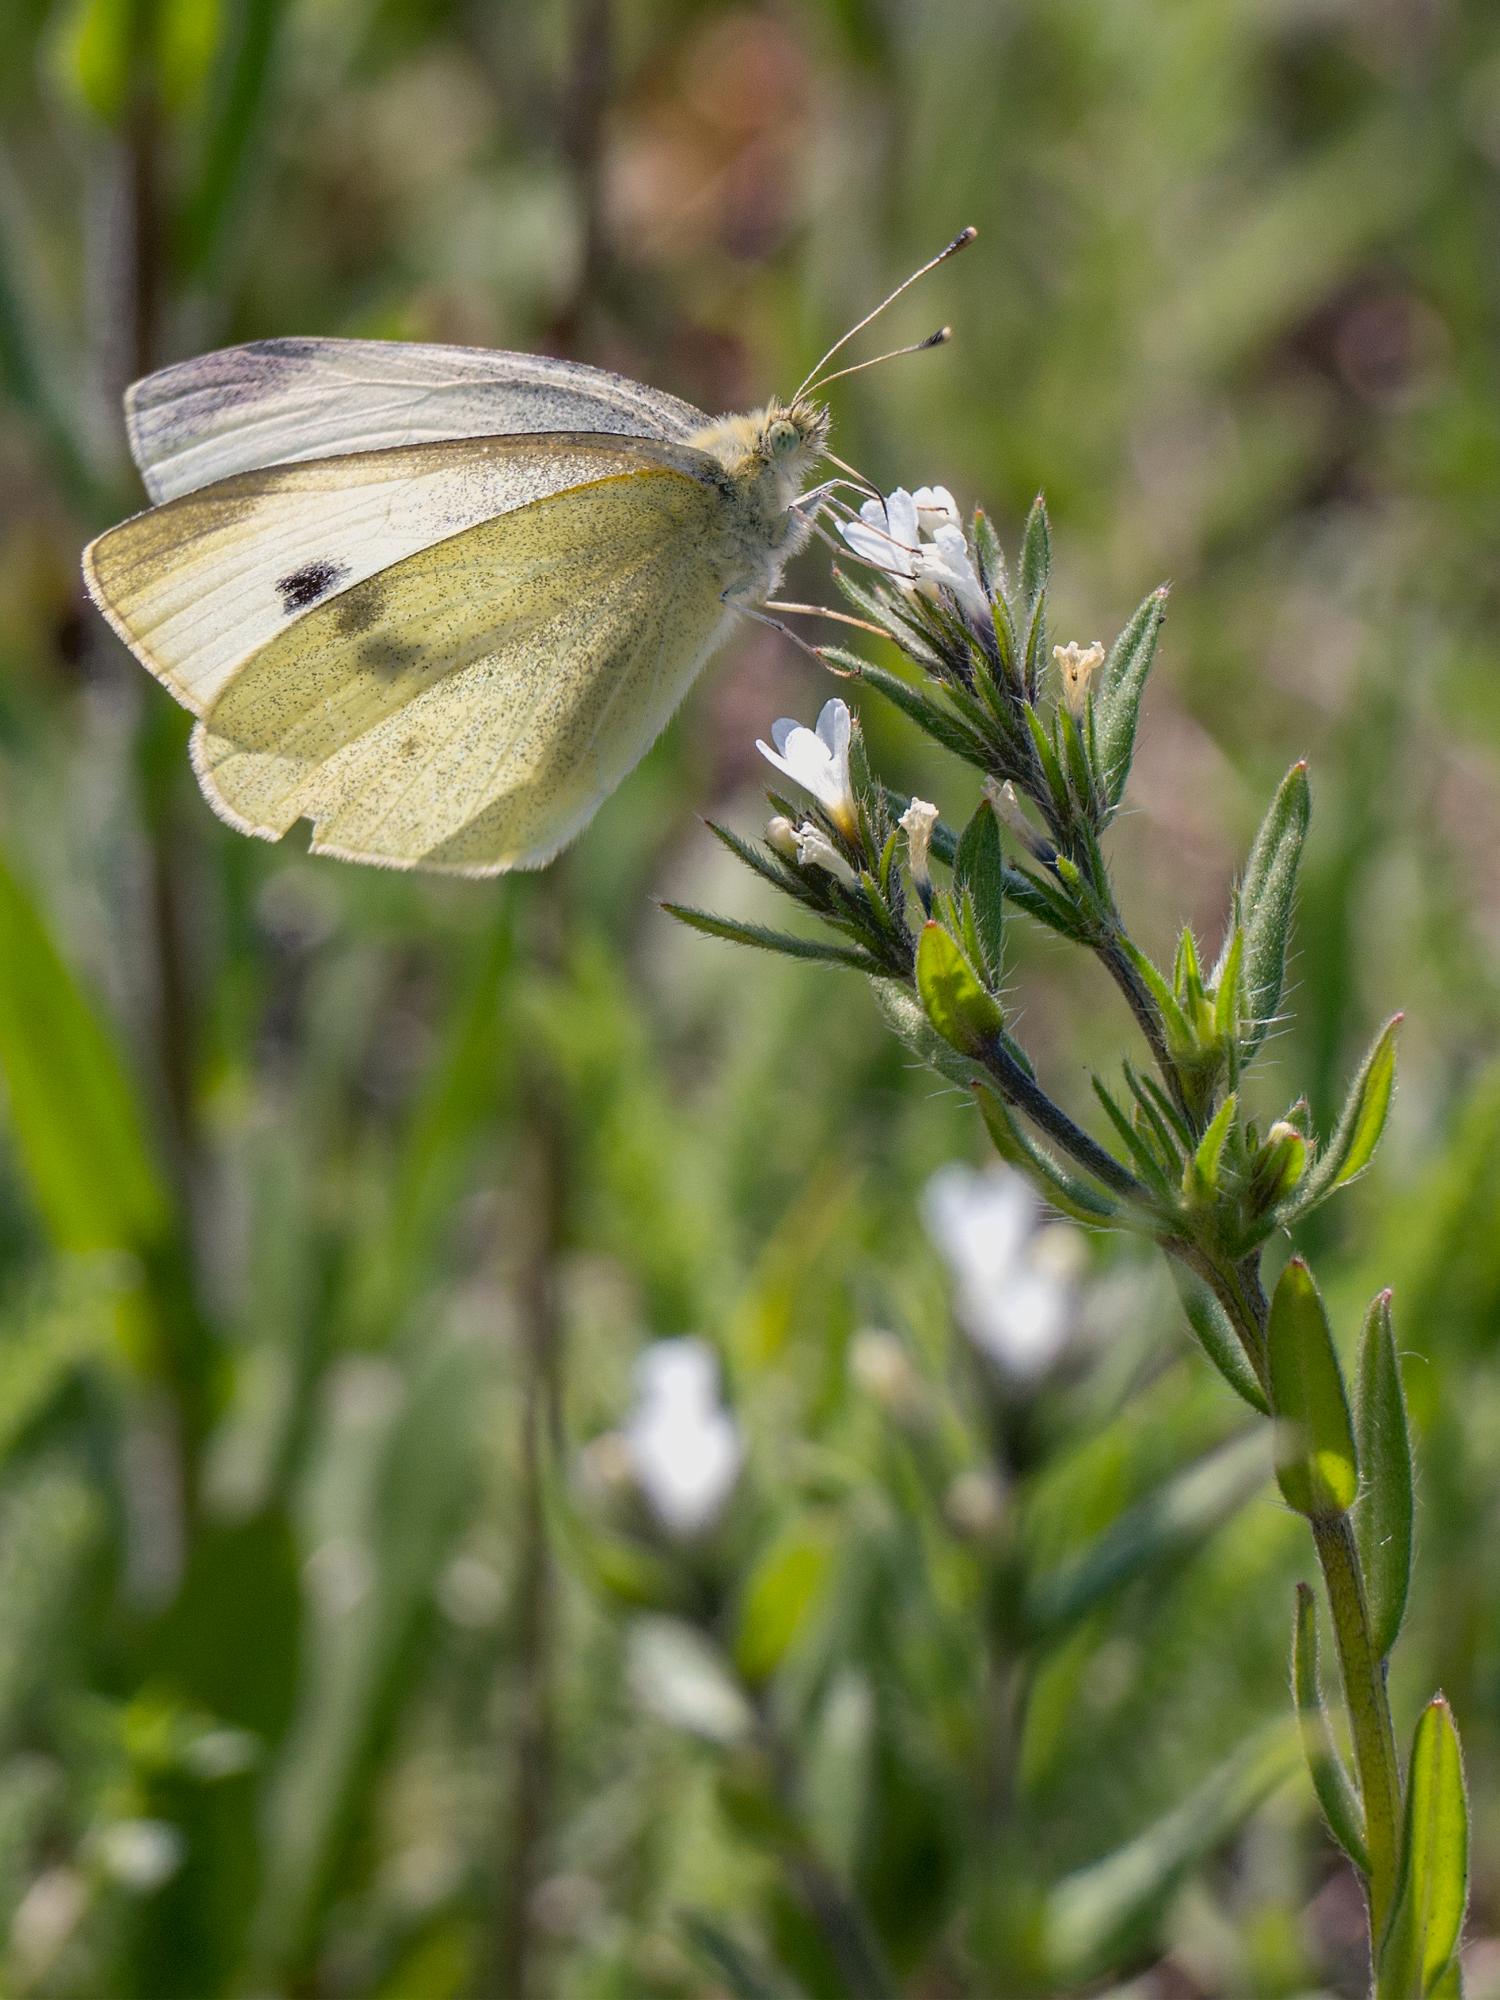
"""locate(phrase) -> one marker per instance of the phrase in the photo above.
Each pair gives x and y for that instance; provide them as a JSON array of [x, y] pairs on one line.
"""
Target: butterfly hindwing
[[469, 707], [277, 401]]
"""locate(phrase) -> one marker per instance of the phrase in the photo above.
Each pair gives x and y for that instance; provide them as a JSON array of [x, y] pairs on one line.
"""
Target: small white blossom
[[945, 561], [816, 850], [818, 760], [917, 823], [1077, 665], [880, 1365], [140, 1854], [781, 837], [685, 1449], [887, 533], [936, 508], [1014, 1276]]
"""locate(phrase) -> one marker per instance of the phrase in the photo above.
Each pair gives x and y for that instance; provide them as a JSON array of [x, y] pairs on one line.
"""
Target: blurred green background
[[337, 1656]]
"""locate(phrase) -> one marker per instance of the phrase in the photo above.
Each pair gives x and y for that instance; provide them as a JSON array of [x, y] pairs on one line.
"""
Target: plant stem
[[1028, 1096], [1369, 1712]]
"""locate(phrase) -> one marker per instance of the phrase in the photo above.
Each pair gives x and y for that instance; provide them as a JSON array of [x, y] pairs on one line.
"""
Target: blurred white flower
[[917, 823], [1015, 1277], [880, 1365], [685, 1449], [818, 760], [816, 850], [140, 1854]]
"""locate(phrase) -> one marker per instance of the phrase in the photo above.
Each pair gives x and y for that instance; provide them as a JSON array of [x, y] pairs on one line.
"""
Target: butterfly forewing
[[471, 706], [197, 586], [278, 401]]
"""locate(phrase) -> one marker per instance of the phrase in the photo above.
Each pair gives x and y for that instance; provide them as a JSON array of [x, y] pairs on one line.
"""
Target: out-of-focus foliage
[[335, 1656]]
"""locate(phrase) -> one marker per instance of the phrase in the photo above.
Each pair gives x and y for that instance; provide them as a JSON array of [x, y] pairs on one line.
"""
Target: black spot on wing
[[306, 585], [387, 656], [359, 608]]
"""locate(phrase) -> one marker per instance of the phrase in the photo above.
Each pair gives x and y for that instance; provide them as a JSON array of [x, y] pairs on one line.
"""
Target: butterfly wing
[[469, 707], [197, 586], [277, 401]]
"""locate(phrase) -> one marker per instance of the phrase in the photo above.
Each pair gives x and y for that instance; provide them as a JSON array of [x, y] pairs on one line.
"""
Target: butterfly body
[[437, 600]]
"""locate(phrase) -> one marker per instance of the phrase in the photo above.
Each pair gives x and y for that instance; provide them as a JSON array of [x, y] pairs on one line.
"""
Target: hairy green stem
[[1369, 1712], [1027, 1095]]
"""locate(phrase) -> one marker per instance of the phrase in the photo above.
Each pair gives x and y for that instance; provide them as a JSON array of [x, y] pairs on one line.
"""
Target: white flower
[[919, 541], [816, 850], [917, 823], [140, 1854], [936, 508], [818, 760], [1014, 1279], [781, 837], [887, 533], [1077, 665], [946, 561], [685, 1449]]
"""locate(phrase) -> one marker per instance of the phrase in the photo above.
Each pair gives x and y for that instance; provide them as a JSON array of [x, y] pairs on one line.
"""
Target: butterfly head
[[770, 451]]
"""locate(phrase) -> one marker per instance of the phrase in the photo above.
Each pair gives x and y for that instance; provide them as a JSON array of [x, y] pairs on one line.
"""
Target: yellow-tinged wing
[[199, 585], [274, 401], [469, 707]]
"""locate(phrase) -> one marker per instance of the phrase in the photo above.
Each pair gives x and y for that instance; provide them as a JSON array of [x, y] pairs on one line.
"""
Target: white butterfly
[[438, 600]]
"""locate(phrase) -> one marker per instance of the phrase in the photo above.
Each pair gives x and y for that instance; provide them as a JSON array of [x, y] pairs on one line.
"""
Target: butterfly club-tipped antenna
[[815, 379]]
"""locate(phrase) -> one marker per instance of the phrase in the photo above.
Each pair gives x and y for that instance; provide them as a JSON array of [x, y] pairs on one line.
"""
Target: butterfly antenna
[[960, 242], [939, 339]]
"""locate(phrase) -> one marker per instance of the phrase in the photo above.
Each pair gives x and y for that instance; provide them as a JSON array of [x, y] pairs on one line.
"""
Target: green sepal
[[1148, 1163], [1075, 762], [1218, 1339], [1263, 907], [1200, 1177], [988, 553], [959, 1006], [768, 940], [1316, 1466], [1036, 552], [1383, 1518], [1065, 1190], [1331, 1782], [1228, 990], [979, 869], [1047, 763], [1117, 691], [1432, 1887], [1357, 1134], [933, 718]]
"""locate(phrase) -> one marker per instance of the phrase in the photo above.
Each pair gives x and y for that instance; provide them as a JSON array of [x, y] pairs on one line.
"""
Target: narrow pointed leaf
[[1065, 1190], [1331, 1782], [1357, 1134], [979, 867], [1200, 1178], [1217, 1338], [768, 940], [1316, 1467], [1118, 687], [1036, 552], [1265, 902], [1433, 1886], [1383, 1518]]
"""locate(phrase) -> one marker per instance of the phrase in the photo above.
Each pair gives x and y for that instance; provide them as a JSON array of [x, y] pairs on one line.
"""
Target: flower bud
[[781, 837], [1077, 665]]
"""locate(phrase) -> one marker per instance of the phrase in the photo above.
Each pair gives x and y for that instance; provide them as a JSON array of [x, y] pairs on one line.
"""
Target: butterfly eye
[[782, 435]]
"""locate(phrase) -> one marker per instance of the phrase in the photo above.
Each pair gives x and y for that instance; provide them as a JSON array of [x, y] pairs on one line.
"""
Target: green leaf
[[958, 1006], [1066, 1191], [1228, 990], [779, 1597], [1218, 1339], [74, 1116], [1358, 1132], [1316, 1469], [1106, 1912], [1117, 691], [769, 940], [1264, 905], [1383, 1517], [935, 718], [979, 867], [1036, 552], [1172, 1522], [1331, 1782], [1433, 1886]]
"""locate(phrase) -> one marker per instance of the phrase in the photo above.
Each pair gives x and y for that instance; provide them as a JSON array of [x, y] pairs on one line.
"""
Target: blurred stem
[[532, 1775]]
